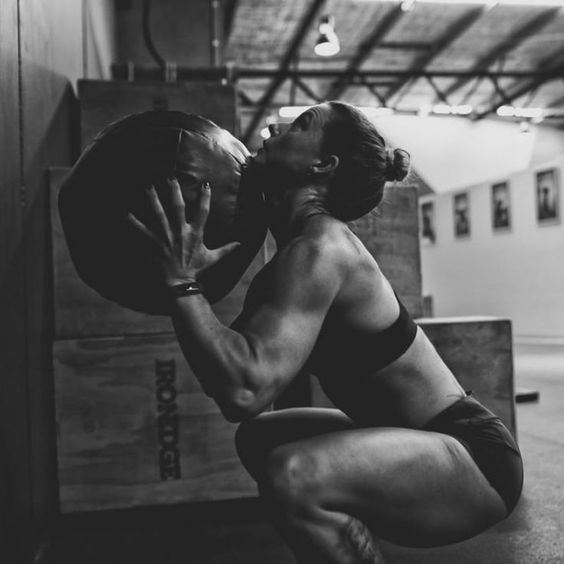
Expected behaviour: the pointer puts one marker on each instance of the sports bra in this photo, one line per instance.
(374, 350)
(371, 351)
(393, 341)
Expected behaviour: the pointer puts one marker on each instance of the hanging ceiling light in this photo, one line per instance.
(408, 5)
(328, 43)
(520, 112)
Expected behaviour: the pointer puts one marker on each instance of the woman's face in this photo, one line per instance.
(294, 149)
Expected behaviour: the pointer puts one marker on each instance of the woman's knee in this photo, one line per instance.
(293, 479)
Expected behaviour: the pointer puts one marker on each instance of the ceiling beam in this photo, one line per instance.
(454, 32)
(555, 69)
(554, 115)
(213, 74)
(518, 36)
(307, 90)
(336, 89)
(291, 52)
(405, 45)
(359, 77)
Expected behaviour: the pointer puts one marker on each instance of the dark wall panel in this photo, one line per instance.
(15, 499)
(180, 31)
(51, 57)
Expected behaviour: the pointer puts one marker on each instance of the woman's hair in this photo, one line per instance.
(365, 163)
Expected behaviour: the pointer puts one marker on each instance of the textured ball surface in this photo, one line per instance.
(109, 181)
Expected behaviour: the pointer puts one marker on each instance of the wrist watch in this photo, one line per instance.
(184, 289)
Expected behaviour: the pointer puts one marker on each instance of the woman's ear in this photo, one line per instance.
(327, 164)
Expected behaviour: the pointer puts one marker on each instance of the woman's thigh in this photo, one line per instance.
(256, 438)
(411, 487)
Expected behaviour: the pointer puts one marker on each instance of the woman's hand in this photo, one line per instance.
(177, 246)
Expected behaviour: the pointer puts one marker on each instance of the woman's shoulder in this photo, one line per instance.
(324, 239)
(336, 239)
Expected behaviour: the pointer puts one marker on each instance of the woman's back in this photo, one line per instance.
(370, 358)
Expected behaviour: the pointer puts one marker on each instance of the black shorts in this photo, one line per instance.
(488, 441)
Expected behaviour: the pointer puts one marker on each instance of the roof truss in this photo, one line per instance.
(453, 33)
(364, 50)
(508, 44)
(285, 64)
(554, 66)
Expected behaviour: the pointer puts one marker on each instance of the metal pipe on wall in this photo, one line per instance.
(216, 55)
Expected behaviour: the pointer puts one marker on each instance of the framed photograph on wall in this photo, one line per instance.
(461, 209)
(428, 229)
(501, 207)
(548, 196)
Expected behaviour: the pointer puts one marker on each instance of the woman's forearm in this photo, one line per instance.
(223, 360)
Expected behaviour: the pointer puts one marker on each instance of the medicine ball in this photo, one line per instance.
(109, 180)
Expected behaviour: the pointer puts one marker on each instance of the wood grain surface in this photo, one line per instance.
(111, 396)
(479, 351)
(391, 234)
(103, 102)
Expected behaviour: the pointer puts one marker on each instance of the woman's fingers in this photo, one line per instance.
(141, 227)
(177, 200)
(218, 254)
(172, 220)
(159, 212)
(202, 215)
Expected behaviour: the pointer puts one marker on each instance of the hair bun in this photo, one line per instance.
(397, 165)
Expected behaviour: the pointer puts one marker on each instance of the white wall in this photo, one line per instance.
(518, 274)
(450, 153)
(100, 45)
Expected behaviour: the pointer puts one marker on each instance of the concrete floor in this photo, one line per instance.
(237, 533)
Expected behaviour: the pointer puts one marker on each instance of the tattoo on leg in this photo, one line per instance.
(357, 537)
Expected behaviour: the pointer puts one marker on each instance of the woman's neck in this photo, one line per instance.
(289, 213)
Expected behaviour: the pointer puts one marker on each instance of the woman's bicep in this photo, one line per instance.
(280, 344)
(283, 329)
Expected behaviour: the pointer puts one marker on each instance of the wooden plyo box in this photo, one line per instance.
(479, 352)
(82, 312)
(391, 234)
(128, 433)
(102, 102)
(135, 428)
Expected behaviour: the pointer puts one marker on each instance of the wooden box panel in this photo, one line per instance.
(135, 428)
(82, 312)
(391, 234)
(102, 102)
(479, 351)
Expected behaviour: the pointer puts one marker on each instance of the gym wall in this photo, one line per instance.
(183, 39)
(43, 50)
(515, 273)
